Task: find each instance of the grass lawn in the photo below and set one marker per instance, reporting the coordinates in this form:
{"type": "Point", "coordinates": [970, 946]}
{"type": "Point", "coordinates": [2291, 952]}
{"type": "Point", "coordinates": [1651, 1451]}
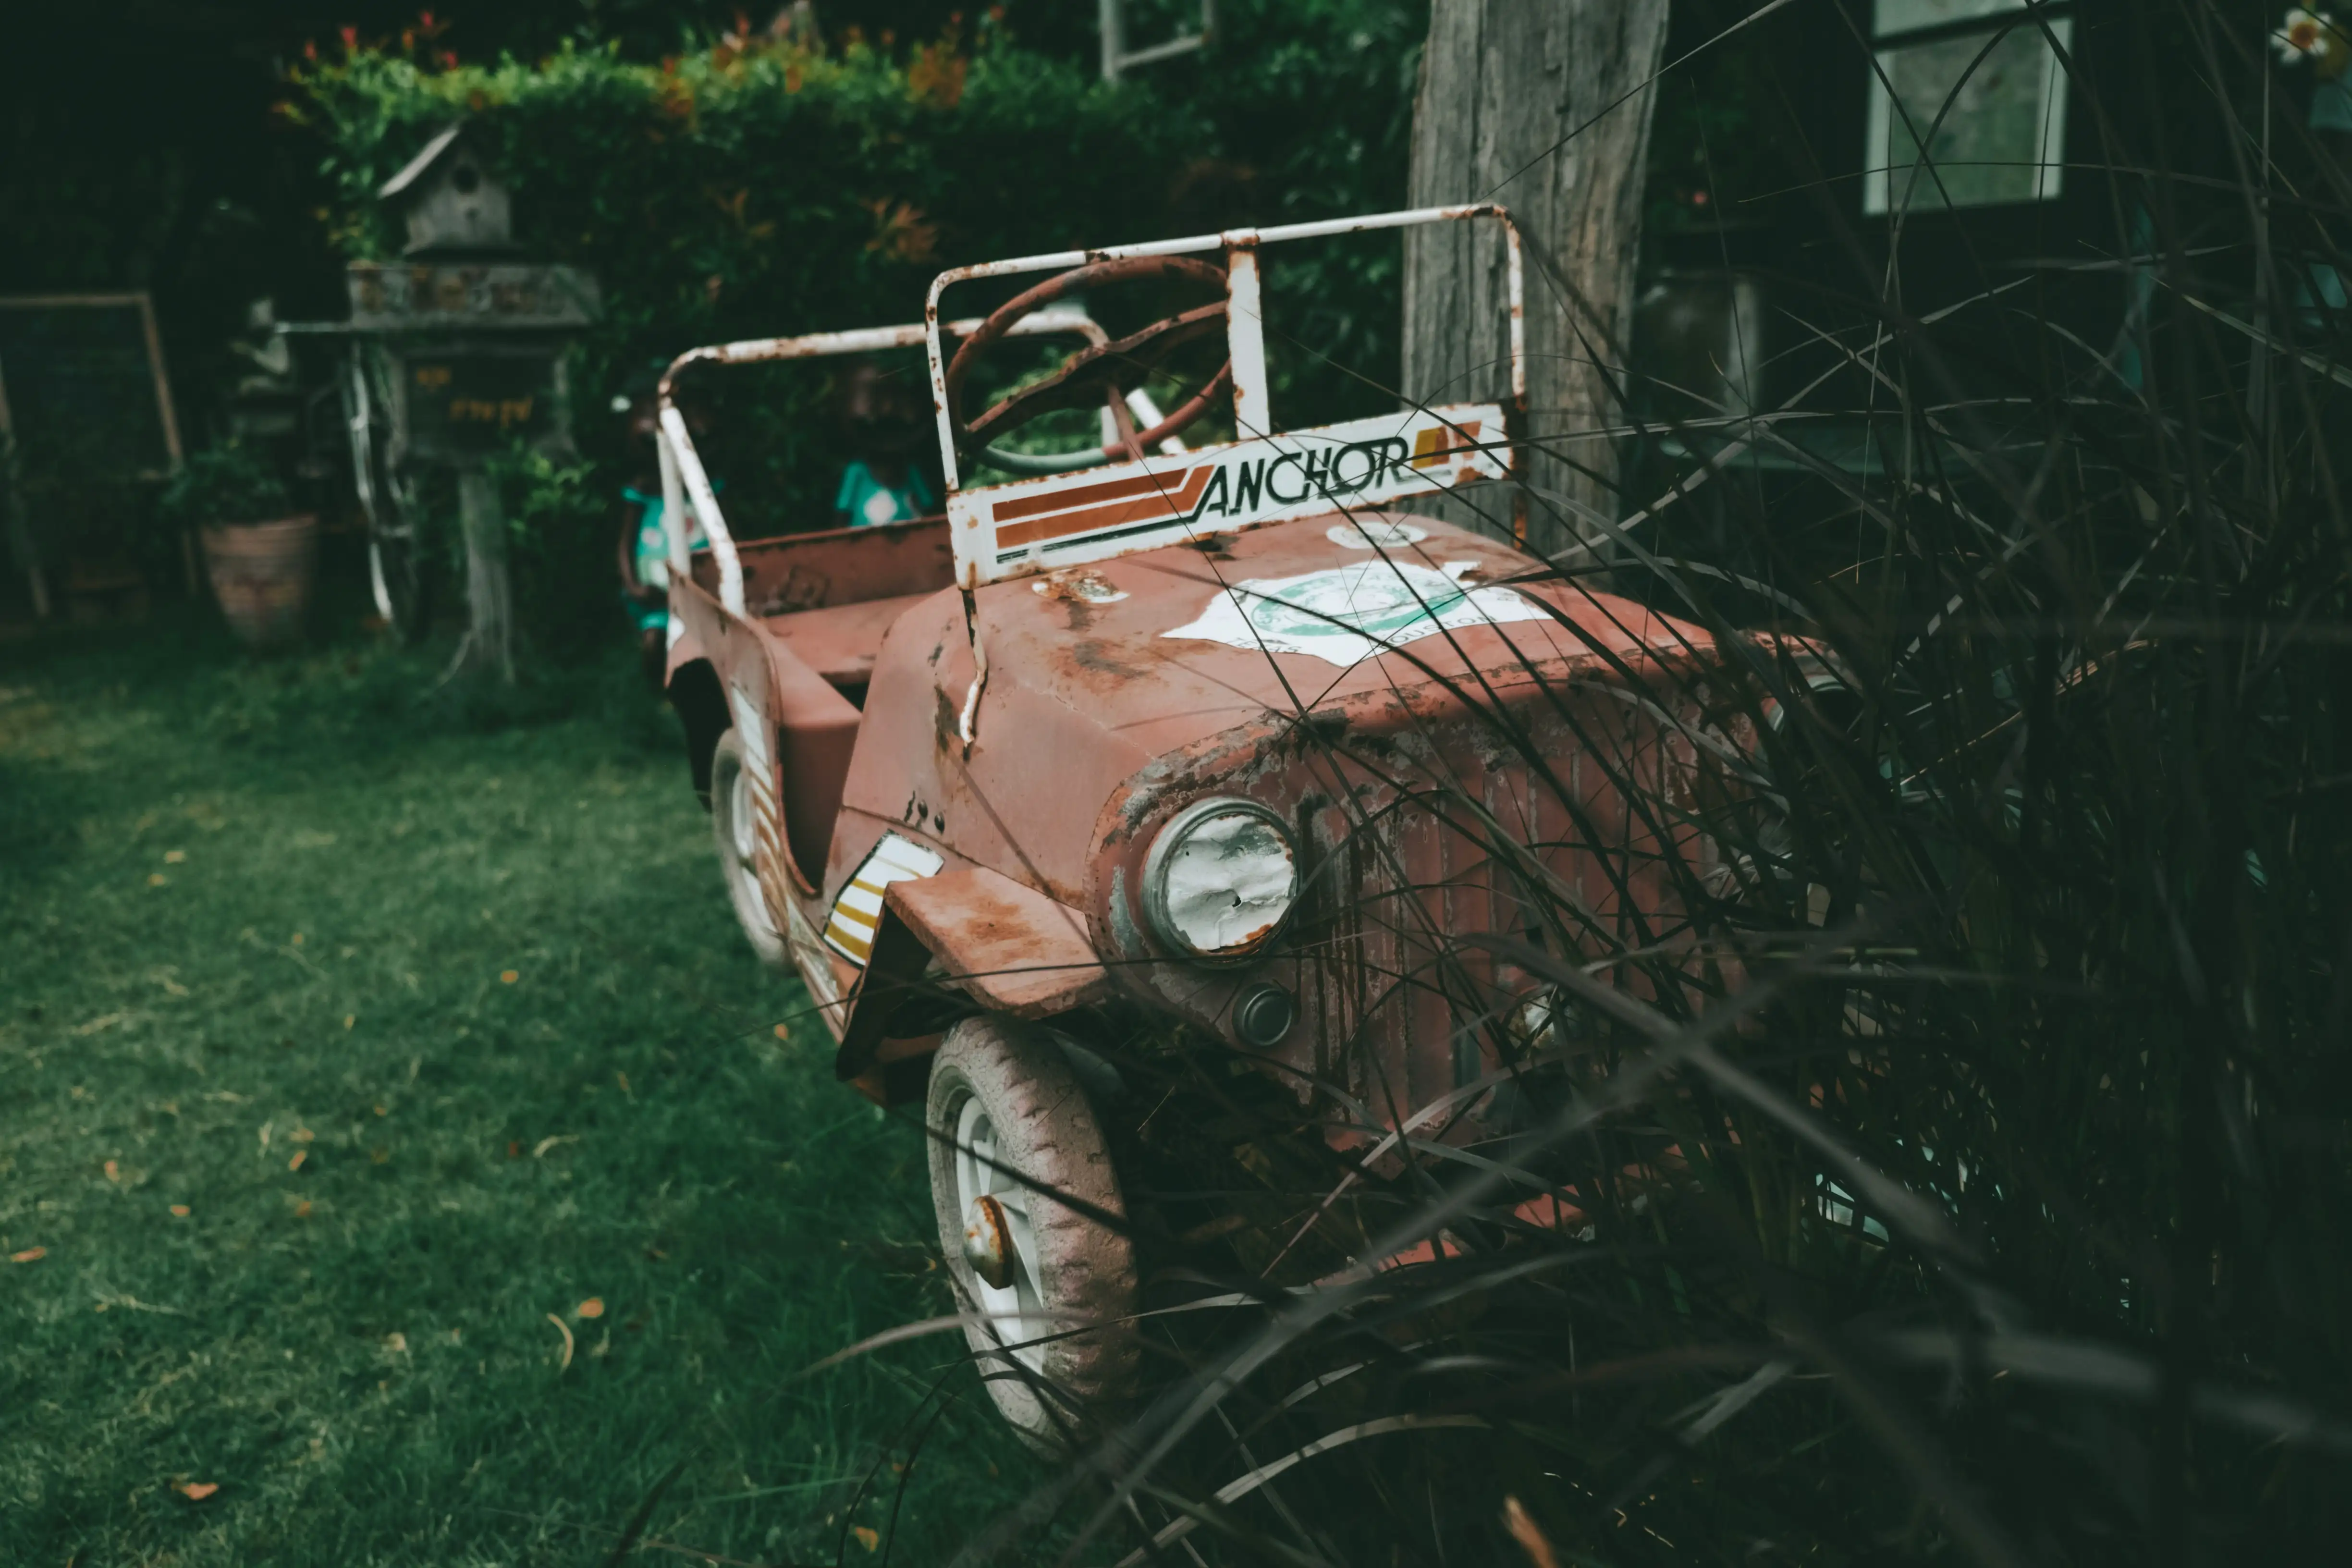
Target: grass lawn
{"type": "Point", "coordinates": [359, 1057]}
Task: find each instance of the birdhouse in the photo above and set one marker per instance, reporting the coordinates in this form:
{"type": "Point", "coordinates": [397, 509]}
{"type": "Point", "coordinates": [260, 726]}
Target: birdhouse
{"type": "Point", "coordinates": [454, 203]}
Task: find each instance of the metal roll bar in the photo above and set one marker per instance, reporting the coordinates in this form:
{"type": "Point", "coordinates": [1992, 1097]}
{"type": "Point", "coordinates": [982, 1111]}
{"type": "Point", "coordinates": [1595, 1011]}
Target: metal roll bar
{"type": "Point", "coordinates": [1245, 325]}
{"type": "Point", "coordinates": [682, 474]}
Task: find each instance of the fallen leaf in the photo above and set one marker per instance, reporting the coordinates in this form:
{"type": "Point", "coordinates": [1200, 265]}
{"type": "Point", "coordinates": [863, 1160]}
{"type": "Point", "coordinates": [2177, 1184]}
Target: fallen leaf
{"type": "Point", "coordinates": [593, 1307]}
{"type": "Point", "coordinates": [178, 1211]}
{"type": "Point", "coordinates": [297, 938]}
{"type": "Point", "coordinates": [195, 1491]}
{"type": "Point", "coordinates": [379, 1156]}
{"type": "Point", "coordinates": [514, 1149]}
{"type": "Point", "coordinates": [302, 1135]}
{"type": "Point", "coordinates": [113, 1171]}
{"type": "Point", "coordinates": [395, 1342]}
{"type": "Point", "coordinates": [567, 1341]}
{"type": "Point", "coordinates": [782, 1032]}
{"type": "Point", "coordinates": [867, 1536]}
{"type": "Point", "coordinates": [296, 1163]}
{"type": "Point", "coordinates": [508, 976]}
{"type": "Point", "coordinates": [349, 1018]}
{"type": "Point", "coordinates": [623, 1079]}
{"type": "Point", "coordinates": [156, 878]}
{"type": "Point", "coordinates": [302, 1209]}
{"type": "Point", "coordinates": [383, 1110]}
{"type": "Point", "coordinates": [1529, 1534]}
{"type": "Point", "coordinates": [30, 1255]}
{"type": "Point", "coordinates": [173, 856]}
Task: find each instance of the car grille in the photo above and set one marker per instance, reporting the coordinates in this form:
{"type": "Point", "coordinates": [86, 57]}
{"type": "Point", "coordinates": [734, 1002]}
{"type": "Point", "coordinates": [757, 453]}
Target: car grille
{"type": "Point", "coordinates": [1582, 850]}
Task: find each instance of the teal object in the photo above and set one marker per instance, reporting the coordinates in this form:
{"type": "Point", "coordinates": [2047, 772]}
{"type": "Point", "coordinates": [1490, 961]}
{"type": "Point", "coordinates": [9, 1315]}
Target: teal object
{"type": "Point", "coordinates": [871, 503]}
{"type": "Point", "coordinates": [652, 551]}
{"type": "Point", "coordinates": [2331, 106]}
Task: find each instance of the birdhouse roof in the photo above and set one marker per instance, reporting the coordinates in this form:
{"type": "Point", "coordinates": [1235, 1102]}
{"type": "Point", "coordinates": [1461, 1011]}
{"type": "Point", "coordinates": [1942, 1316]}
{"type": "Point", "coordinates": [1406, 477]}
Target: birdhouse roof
{"type": "Point", "coordinates": [414, 171]}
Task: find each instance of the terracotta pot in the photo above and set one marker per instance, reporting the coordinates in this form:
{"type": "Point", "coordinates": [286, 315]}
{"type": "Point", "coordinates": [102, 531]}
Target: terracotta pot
{"type": "Point", "coordinates": [261, 573]}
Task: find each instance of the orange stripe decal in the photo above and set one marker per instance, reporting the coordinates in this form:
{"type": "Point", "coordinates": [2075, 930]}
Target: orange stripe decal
{"type": "Point", "coordinates": [1431, 449]}
{"type": "Point", "coordinates": [1177, 504]}
{"type": "Point", "coordinates": [1080, 495]}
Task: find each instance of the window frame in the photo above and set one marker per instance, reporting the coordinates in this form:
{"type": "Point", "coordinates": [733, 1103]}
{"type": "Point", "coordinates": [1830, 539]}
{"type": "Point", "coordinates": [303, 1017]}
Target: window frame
{"type": "Point", "coordinates": [1995, 19]}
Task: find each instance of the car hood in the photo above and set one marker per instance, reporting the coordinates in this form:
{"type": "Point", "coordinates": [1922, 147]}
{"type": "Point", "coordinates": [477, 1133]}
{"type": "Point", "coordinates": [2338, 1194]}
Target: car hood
{"type": "Point", "coordinates": [1097, 674]}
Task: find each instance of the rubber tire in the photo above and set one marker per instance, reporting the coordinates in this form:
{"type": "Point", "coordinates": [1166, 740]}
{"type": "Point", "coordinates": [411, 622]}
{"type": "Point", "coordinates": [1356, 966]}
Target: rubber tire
{"type": "Point", "coordinates": [730, 829]}
{"type": "Point", "coordinates": [1047, 1130]}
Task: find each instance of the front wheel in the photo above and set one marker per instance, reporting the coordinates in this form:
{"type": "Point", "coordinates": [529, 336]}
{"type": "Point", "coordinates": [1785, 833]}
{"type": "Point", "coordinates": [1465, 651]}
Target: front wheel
{"type": "Point", "coordinates": [1053, 1287]}
{"type": "Point", "coordinates": [735, 823]}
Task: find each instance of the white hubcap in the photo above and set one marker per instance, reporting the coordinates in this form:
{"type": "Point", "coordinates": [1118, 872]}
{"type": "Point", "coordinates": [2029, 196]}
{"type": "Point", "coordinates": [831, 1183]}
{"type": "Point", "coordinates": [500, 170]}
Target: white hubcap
{"type": "Point", "coordinates": [742, 835]}
{"type": "Point", "coordinates": [1015, 1307]}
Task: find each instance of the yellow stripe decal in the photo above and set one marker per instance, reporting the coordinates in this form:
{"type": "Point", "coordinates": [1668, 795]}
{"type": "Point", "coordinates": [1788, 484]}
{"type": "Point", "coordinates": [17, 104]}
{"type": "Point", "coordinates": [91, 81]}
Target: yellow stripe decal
{"type": "Point", "coordinates": [857, 913]}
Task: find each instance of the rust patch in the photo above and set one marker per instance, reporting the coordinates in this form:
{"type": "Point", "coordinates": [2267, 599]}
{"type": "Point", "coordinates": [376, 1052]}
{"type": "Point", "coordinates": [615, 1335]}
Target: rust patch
{"type": "Point", "coordinates": [1082, 590]}
{"type": "Point", "coordinates": [1009, 946]}
{"type": "Point", "coordinates": [947, 721]}
{"type": "Point", "coordinates": [1093, 654]}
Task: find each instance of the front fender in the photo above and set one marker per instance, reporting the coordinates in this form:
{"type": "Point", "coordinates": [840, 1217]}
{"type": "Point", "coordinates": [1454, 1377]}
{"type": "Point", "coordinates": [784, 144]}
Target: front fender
{"type": "Point", "coordinates": [1010, 948]}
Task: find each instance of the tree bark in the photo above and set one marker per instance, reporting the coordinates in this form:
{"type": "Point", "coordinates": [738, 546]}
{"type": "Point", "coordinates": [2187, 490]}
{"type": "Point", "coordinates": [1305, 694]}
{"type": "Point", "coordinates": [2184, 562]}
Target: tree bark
{"type": "Point", "coordinates": [1507, 90]}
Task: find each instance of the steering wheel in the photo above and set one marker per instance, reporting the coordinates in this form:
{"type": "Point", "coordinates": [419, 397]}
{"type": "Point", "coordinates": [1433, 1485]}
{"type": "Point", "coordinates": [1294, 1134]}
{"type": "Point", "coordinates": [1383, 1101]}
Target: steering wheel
{"type": "Point", "coordinates": [1100, 371]}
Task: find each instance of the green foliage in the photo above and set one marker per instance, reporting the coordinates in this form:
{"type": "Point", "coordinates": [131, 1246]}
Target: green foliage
{"type": "Point", "coordinates": [1347, 69]}
{"type": "Point", "coordinates": [561, 526]}
{"type": "Point", "coordinates": [753, 188]}
{"type": "Point", "coordinates": [227, 482]}
{"type": "Point", "coordinates": [766, 190]}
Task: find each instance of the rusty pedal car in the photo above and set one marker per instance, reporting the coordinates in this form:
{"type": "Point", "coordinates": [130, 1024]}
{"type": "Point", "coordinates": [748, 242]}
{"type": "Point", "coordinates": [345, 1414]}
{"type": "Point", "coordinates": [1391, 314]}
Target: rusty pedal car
{"type": "Point", "coordinates": [1204, 734]}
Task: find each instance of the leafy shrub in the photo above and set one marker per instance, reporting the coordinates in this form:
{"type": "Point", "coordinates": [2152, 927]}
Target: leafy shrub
{"type": "Point", "coordinates": [753, 188]}
{"type": "Point", "coordinates": [227, 482]}
{"type": "Point", "coordinates": [757, 189]}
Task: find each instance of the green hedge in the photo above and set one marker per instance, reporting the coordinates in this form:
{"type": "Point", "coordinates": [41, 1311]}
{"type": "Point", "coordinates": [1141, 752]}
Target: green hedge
{"type": "Point", "coordinates": [809, 186]}
{"type": "Point", "coordinates": [744, 190]}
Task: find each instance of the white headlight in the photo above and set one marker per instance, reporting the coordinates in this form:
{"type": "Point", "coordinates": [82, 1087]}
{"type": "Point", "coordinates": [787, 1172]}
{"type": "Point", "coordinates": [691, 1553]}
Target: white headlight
{"type": "Point", "coordinates": [1221, 878]}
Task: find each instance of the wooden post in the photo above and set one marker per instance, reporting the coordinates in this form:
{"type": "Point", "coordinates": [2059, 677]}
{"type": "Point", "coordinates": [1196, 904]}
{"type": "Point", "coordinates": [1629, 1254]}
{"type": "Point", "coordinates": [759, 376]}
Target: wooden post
{"type": "Point", "coordinates": [12, 497]}
{"type": "Point", "coordinates": [20, 539]}
{"type": "Point", "coordinates": [488, 645]}
{"type": "Point", "coordinates": [1511, 109]}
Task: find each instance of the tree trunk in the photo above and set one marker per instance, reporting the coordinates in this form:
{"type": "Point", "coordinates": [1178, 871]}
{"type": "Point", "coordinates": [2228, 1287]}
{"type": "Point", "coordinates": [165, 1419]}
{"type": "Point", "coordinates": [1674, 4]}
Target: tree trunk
{"type": "Point", "coordinates": [1507, 90]}
{"type": "Point", "coordinates": [489, 648]}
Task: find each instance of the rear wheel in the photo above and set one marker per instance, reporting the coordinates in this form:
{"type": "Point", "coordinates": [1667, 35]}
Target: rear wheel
{"type": "Point", "coordinates": [734, 823]}
{"type": "Point", "coordinates": [1054, 1288]}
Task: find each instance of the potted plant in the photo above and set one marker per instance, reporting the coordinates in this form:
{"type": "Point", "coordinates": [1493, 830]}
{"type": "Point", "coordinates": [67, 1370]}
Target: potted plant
{"type": "Point", "coordinates": [260, 558]}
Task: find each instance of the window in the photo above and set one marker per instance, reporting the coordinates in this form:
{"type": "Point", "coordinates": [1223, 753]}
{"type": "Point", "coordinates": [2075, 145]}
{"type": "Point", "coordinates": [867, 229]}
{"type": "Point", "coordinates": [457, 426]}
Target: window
{"type": "Point", "coordinates": [1979, 81]}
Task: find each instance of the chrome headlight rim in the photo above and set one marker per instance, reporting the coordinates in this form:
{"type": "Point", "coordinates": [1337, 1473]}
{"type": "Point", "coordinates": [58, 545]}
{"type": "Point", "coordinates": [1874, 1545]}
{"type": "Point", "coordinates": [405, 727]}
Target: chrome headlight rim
{"type": "Point", "coordinates": [1171, 839]}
